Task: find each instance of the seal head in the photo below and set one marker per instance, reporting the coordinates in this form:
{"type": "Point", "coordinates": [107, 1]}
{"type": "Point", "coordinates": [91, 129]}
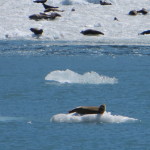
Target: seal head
{"type": "Point", "coordinates": [102, 109]}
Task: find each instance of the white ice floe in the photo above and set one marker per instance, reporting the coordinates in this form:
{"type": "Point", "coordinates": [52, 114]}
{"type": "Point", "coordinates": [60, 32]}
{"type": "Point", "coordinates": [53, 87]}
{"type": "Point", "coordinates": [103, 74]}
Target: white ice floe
{"type": "Point", "coordinates": [68, 76]}
{"type": "Point", "coordinates": [107, 117]}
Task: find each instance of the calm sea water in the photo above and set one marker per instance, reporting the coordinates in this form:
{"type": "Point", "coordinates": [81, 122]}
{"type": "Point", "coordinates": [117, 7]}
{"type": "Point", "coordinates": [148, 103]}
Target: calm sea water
{"type": "Point", "coordinates": [28, 101]}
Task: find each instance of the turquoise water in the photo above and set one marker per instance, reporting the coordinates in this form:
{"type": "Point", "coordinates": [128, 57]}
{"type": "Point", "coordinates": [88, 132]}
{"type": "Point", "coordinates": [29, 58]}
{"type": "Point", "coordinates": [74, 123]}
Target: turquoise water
{"type": "Point", "coordinates": [28, 102]}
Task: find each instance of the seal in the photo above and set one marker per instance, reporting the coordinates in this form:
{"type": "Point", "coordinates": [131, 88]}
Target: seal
{"type": "Point", "coordinates": [143, 11]}
{"type": "Point", "coordinates": [42, 16]}
{"type": "Point", "coordinates": [83, 110]}
{"type": "Point", "coordinates": [40, 1]}
{"type": "Point", "coordinates": [53, 9]}
{"type": "Point", "coordinates": [116, 19]}
{"type": "Point", "coordinates": [36, 31]}
{"type": "Point", "coordinates": [133, 13]}
{"type": "Point", "coordinates": [91, 32]}
{"type": "Point", "coordinates": [48, 6]}
{"type": "Point", "coordinates": [54, 15]}
{"type": "Point", "coordinates": [145, 32]}
{"type": "Point", "coordinates": [37, 17]}
{"type": "Point", "coordinates": [104, 3]}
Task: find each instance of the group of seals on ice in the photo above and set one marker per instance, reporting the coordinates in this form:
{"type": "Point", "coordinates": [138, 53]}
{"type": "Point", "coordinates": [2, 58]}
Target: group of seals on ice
{"type": "Point", "coordinates": [52, 16]}
{"type": "Point", "coordinates": [143, 11]}
{"type": "Point", "coordinates": [44, 16]}
{"type": "Point", "coordinates": [83, 110]}
{"type": "Point", "coordinates": [87, 32]}
{"type": "Point", "coordinates": [135, 12]}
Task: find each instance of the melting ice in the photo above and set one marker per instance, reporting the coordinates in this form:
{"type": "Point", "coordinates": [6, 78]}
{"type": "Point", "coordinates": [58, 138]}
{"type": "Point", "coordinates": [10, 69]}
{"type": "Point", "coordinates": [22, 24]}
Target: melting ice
{"type": "Point", "coordinates": [69, 76]}
{"type": "Point", "coordinates": [107, 117]}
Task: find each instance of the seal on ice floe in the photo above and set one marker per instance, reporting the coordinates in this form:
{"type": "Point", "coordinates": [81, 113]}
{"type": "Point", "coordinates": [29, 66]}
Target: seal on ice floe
{"type": "Point", "coordinates": [40, 1]}
{"type": "Point", "coordinates": [42, 16]}
{"type": "Point", "coordinates": [91, 32]}
{"type": "Point", "coordinates": [135, 12]}
{"type": "Point", "coordinates": [145, 32]}
{"type": "Point", "coordinates": [36, 31]}
{"type": "Point", "coordinates": [143, 11]}
{"type": "Point", "coordinates": [48, 6]}
{"type": "Point", "coordinates": [116, 19]}
{"type": "Point", "coordinates": [83, 110]}
{"type": "Point", "coordinates": [104, 3]}
{"type": "Point", "coordinates": [53, 9]}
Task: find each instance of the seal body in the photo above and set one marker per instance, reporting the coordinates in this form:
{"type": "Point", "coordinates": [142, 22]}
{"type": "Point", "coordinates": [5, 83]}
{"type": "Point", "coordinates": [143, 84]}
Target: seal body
{"type": "Point", "coordinates": [91, 32]}
{"type": "Point", "coordinates": [145, 32]}
{"type": "Point", "coordinates": [133, 13]}
{"type": "Point", "coordinates": [83, 110]}
{"type": "Point", "coordinates": [104, 3]}
{"type": "Point", "coordinates": [42, 16]}
{"type": "Point", "coordinates": [53, 9]}
{"type": "Point", "coordinates": [116, 19]}
{"type": "Point", "coordinates": [48, 6]}
{"type": "Point", "coordinates": [36, 31]}
{"type": "Point", "coordinates": [143, 11]}
{"type": "Point", "coordinates": [38, 16]}
{"type": "Point", "coordinates": [40, 1]}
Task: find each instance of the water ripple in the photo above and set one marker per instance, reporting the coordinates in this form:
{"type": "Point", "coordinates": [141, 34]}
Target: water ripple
{"type": "Point", "coordinates": [44, 48]}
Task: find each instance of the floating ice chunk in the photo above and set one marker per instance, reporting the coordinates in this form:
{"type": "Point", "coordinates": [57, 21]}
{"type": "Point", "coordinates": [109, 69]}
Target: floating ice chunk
{"type": "Point", "coordinates": [69, 76]}
{"type": "Point", "coordinates": [107, 117]}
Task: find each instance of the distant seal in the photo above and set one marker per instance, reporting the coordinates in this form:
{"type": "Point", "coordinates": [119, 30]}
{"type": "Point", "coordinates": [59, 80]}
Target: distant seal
{"type": "Point", "coordinates": [41, 16]}
{"type": "Point", "coordinates": [83, 110]}
{"type": "Point", "coordinates": [116, 19]}
{"type": "Point", "coordinates": [133, 13]}
{"type": "Point", "coordinates": [145, 32]}
{"type": "Point", "coordinates": [38, 16]}
{"type": "Point", "coordinates": [143, 11]}
{"type": "Point", "coordinates": [40, 1]}
{"type": "Point", "coordinates": [73, 9]}
{"type": "Point", "coordinates": [54, 15]}
{"type": "Point", "coordinates": [36, 31]}
{"type": "Point", "coordinates": [91, 32]}
{"type": "Point", "coordinates": [48, 6]}
{"type": "Point", "coordinates": [53, 9]}
{"type": "Point", "coordinates": [104, 3]}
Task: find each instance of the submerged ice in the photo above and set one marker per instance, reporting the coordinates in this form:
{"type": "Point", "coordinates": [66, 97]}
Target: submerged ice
{"type": "Point", "coordinates": [107, 117]}
{"type": "Point", "coordinates": [15, 22]}
{"type": "Point", "coordinates": [10, 119]}
{"type": "Point", "coordinates": [68, 76]}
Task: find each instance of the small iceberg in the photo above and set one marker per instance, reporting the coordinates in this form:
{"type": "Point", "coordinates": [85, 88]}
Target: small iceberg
{"type": "Point", "coordinates": [68, 76]}
{"type": "Point", "coordinates": [107, 117]}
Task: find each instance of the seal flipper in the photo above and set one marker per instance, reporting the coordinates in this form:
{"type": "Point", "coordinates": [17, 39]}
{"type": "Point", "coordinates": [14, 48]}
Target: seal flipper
{"type": "Point", "coordinates": [76, 110]}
